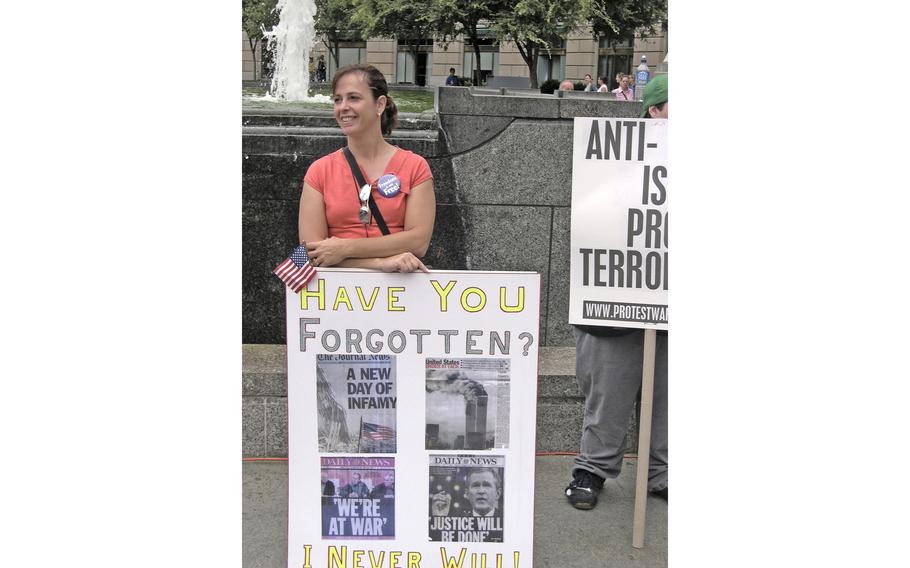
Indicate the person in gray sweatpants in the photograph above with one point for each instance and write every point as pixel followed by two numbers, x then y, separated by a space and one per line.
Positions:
pixel 608 370
pixel 608 367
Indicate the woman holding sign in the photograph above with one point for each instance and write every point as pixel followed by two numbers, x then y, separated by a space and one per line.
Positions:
pixel 371 204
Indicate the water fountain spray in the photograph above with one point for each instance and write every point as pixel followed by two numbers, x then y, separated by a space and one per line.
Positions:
pixel 290 43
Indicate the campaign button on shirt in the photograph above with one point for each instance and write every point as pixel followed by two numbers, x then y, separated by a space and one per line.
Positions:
pixel 388 185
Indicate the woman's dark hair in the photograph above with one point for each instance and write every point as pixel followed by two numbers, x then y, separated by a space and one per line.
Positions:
pixel 375 80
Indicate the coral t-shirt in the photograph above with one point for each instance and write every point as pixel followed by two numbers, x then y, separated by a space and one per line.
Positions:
pixel 331 176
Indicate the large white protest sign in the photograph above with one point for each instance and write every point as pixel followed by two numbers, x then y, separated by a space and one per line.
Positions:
pixel 619 254
pixel 412 419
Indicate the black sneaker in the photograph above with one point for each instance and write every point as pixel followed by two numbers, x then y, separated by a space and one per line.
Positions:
pixel 660 493
pixel 582 491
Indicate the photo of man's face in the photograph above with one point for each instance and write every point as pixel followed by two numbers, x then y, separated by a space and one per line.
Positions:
pixel 482 492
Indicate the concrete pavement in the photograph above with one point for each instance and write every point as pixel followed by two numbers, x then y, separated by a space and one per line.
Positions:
pixel 564 537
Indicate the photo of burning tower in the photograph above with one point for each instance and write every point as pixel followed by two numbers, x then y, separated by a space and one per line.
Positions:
pixel 467 404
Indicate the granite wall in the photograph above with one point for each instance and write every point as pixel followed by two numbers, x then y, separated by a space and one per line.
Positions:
pixel 502 164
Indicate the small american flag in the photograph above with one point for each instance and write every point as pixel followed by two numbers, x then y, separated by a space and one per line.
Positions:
pixel 377 432
pixel 296 271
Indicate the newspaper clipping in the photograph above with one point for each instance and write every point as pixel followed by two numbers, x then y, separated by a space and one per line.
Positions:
pixel 467 404
pixel 356 398
pixel 358 498
pixel 466 498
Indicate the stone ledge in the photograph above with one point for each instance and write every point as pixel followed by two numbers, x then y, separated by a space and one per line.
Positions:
pixel 559 421
pixel 269 360
pixel 265 426
pixel 560 406
pixel 482 103
pixel 287 110
pixel 414 122
pixel 286 130
pixel 321 141
pixel 265 358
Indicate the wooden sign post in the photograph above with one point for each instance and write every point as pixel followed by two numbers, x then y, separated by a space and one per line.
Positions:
pixel 644 439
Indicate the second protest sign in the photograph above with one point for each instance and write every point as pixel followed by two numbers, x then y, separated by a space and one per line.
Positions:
pixel 619 254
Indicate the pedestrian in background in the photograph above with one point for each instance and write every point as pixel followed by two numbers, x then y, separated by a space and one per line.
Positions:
pixel 624 92
pixel 320 70
pixel 452 79
pixel 589 83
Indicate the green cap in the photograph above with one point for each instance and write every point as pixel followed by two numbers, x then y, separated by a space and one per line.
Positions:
pixel 655 94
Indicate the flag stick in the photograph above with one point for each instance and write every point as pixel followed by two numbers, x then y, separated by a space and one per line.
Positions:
pixel 644 439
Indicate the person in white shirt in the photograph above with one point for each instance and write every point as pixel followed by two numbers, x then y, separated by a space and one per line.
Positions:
pixel 589 83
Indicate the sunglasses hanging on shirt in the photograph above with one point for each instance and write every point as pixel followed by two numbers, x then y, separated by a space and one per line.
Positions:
pixel 365 195
pixel 365 191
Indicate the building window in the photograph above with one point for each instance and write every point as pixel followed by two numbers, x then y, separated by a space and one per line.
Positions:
pixel 349 53
pixel 614 56
pixel 609 65
pixel 551 64
pixel 407 70
pixel 612 41
pixel 552 67
pixel 489 61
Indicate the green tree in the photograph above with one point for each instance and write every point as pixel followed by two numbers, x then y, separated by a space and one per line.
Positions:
pixel 537 25
pixel 620 20
pixel 409 21
pixel 464 17
pixel 258 16
pixel 334 23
